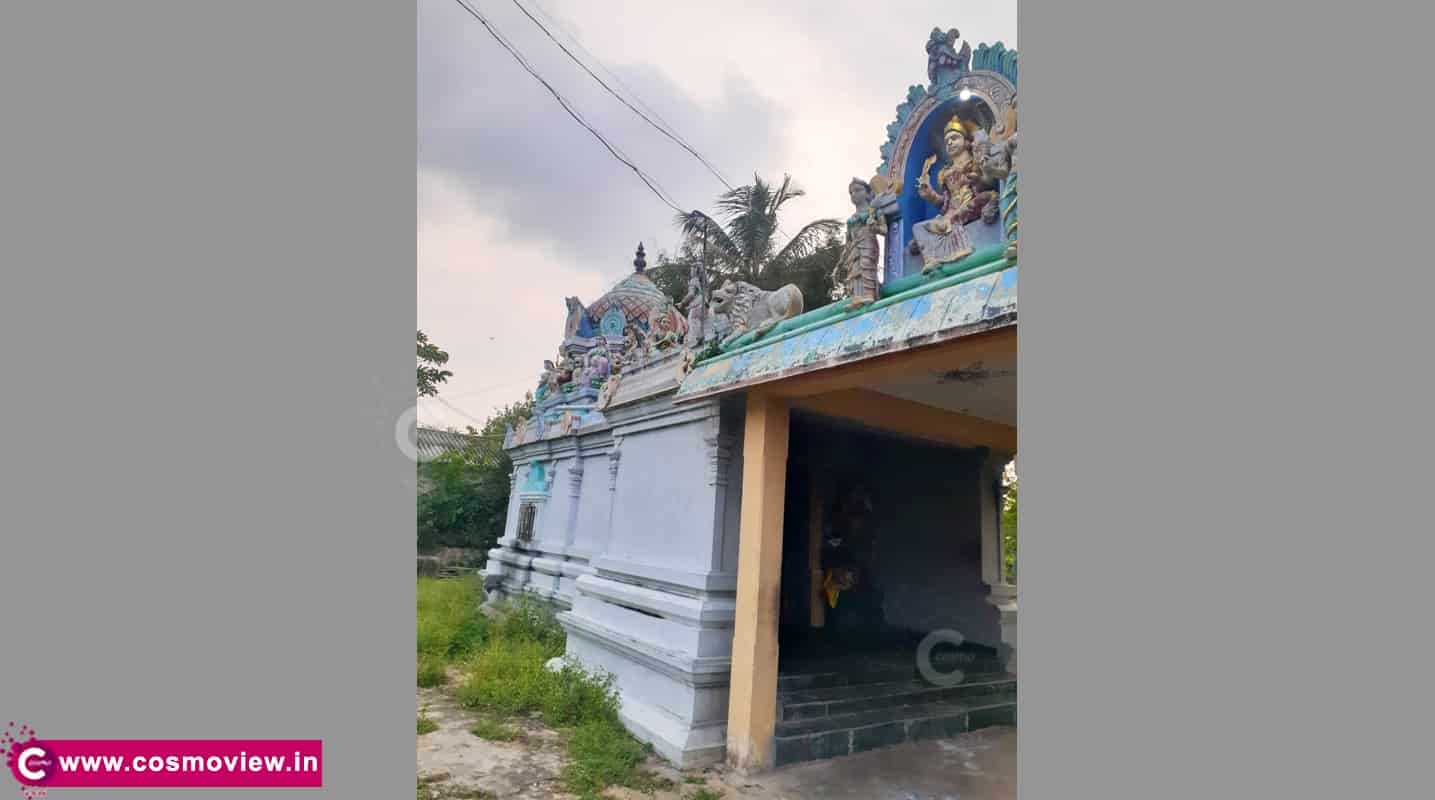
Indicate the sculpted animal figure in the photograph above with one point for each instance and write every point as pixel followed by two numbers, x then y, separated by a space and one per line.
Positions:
pixel 752 309
pixel 577 322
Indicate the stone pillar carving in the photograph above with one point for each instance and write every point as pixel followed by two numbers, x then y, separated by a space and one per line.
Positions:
pixel 614 457
pixel 719 456
pixel 575 488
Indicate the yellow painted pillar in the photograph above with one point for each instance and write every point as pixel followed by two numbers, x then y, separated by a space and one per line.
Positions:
pixel 752 702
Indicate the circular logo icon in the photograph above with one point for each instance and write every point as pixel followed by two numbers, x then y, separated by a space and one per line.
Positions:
pixel 927 669
pixel 406 433
pixel 34 763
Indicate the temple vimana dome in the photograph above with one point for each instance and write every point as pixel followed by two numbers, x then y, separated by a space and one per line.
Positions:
pixel 779 527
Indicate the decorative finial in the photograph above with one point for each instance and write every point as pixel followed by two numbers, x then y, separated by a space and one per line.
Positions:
pixel 640 263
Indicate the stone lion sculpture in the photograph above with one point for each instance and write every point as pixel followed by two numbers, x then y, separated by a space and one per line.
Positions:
pixel 752 309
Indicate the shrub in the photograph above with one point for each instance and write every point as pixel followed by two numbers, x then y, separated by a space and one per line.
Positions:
pixel 506 674
pixel 449 624
pixel 465 503
pixel 530 620
pixel 576 696
pixel 602 755
pixel 506 677
pixel 464 495
pixel 432 671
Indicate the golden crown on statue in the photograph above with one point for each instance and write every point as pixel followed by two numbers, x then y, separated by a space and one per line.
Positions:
pixel 957 125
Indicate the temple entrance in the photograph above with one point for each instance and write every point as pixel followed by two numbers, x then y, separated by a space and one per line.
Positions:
pixel 881 549
pixel 878 483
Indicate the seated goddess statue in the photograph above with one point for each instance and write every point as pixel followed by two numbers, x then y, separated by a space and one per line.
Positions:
pixel 961 193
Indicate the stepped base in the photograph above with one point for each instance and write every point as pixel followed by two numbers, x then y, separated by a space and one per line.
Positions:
pixel 829 737
pixel 834 706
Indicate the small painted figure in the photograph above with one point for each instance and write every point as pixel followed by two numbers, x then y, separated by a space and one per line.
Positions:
pixel 861 258
pixel 1004 167
pixel 599 367
pixel 577 322
pixel 695 302
pixel 548 382
pixel 634 346
pixel 664 330
pixel 944 62
pixel 563 372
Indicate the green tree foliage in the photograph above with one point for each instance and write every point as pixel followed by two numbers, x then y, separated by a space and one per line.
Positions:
pixel 465 503
pixel 1009 529
pixel 431 372
pixel 811 273
pixel 742 244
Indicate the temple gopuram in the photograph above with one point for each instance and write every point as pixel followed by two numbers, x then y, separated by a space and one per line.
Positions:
pixel 779 528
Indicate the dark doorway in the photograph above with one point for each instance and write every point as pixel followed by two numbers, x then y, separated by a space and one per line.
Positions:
pixel 881 546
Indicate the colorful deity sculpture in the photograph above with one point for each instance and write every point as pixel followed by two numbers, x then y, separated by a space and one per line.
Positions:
pixel 696 304
pixel 1003 167
pixel 634 346
pixel 665 330
pixel 960 194
pixel 861 258
pixel 547 382
pixel 562 372
pixel 599 368
pixel 944 62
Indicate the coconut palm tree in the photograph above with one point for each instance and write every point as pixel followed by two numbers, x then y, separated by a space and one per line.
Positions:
pixel 744 245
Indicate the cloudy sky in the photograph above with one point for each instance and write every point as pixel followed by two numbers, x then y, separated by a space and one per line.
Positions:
pixel 519 207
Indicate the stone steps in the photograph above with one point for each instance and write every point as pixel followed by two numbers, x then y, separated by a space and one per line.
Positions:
pixel 842 734
pixel 839 700
pixel 971 664
pixel 873 702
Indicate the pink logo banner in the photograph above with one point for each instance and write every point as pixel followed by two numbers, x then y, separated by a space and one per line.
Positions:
pixel 167 763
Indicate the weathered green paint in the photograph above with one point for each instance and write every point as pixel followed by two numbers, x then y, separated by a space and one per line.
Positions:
pixel 984 256
pixel 983 262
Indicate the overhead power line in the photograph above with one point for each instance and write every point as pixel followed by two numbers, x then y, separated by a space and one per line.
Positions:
pixel 562 101
pixel 618 79
pixel 659 128
pixel 457 410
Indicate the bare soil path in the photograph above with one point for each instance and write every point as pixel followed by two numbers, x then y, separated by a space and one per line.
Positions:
pixel 457 765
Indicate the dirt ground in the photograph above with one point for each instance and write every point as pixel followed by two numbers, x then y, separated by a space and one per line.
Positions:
pixel 457 765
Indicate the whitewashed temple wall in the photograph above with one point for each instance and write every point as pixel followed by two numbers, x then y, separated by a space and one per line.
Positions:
pixel 640 547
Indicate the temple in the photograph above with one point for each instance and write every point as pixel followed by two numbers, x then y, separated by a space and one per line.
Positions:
pixel 777 527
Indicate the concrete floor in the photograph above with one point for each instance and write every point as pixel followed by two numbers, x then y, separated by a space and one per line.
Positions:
pixel 980 765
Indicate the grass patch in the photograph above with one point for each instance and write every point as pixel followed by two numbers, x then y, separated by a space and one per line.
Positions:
pixel 432 671
pixel 494 731
pixel 529 620
pixel 449 625
pixel 601 757
pixel 426 725
pixel 507 678
pixel 426 791
pixel 705 794
pixel 695 779
pixel 505 675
